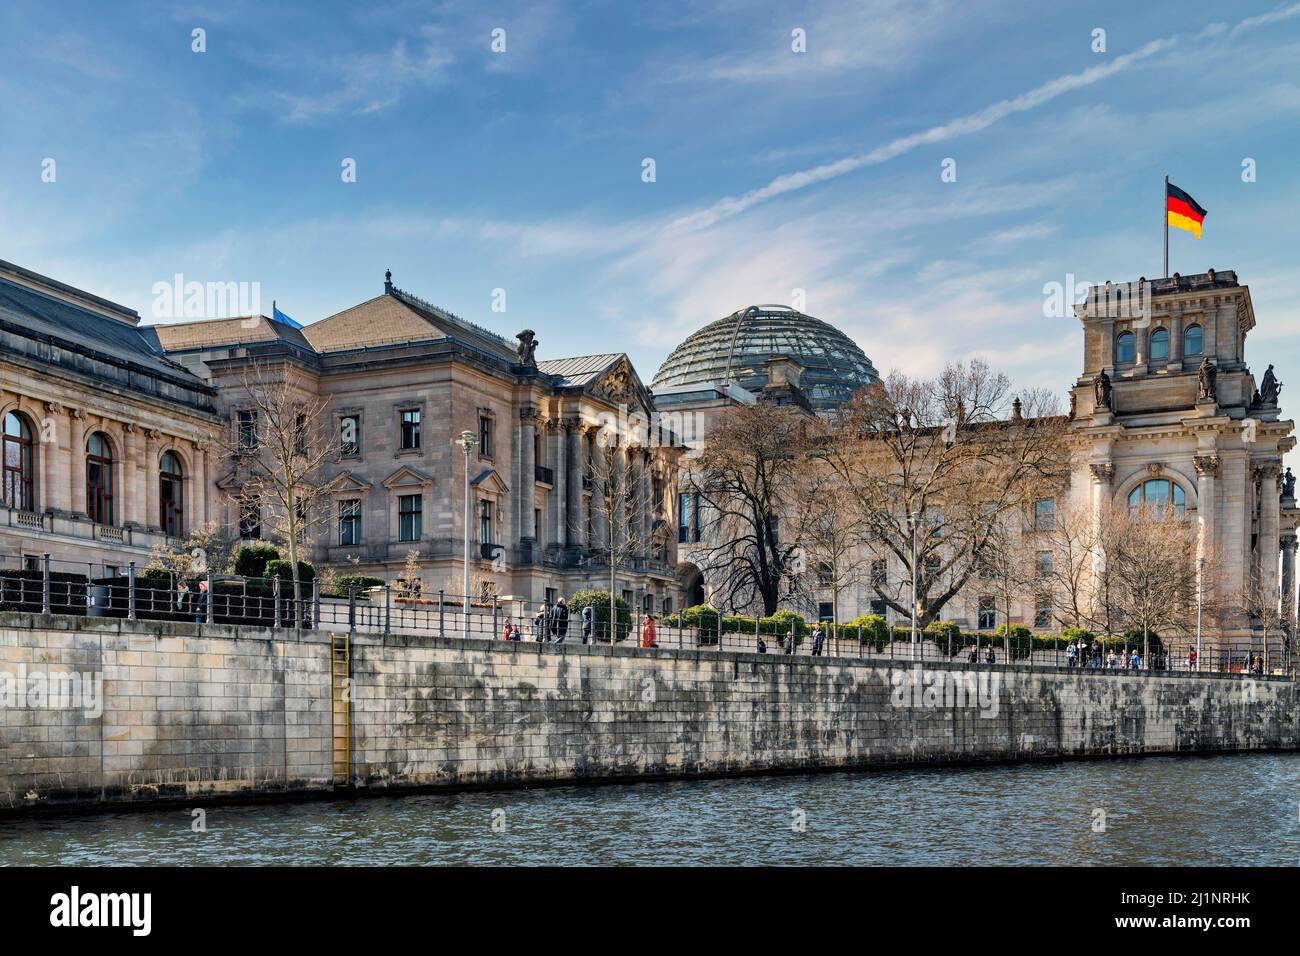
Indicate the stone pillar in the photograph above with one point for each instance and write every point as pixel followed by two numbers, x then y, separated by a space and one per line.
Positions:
pixel 133 477
pixel 55 455
pixel 527 480
pixel 1207 469
pixel 198 487
pixel 1142 341
pixel 1269 519
pixel 152 452
pixel 559 498
pixel 643 500
pixel 599 534
pixel 1288 579
pixel 1103 473
pixel 77 462
pixel 1176 338
pixel 572 466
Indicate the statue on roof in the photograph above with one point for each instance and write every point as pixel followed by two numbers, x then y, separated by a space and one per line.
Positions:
pixel 1288 484
pixel 1271 388
pixel 527 349
pixel 1208 379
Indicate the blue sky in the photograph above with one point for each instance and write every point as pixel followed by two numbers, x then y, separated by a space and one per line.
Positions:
pixel 522 170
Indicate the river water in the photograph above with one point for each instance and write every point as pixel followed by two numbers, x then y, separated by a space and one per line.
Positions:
pixel 1160 811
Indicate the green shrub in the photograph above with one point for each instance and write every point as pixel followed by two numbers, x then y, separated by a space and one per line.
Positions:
pixel 283 569
pixel 363 583
pixel 251 559
pixel 873 630
pixel 1133 637
pixel 946 635
pixel 598 601
pixel 706 619
pixel 1017 638
pixel 779 624
pixel 22 590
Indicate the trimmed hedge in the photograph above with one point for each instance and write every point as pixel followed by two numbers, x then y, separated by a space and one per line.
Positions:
pixel 871 629
pixel 599 603
pixel 363 583
pixel 22 590
pixel 284 569
pixel 250 560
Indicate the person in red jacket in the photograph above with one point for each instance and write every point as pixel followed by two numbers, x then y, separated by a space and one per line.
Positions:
pixel 509 633
pixel 648 635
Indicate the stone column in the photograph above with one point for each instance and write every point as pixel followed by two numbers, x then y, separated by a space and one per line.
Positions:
pixel 55 455
pixel 133 477
pixel 1176 338
pixel 1142 341
pixel 559 498
pixel 599 535
pixel 1269 519
pixel 152 442
pixel 527 480
pixel 198 489
pixel 573 482
pixel 643 497
pixel 1288 578
pixel 77 462
pixel 1207 469
pixel 1103 473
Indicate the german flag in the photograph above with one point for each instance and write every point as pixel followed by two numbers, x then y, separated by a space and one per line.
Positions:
pixel 1182 211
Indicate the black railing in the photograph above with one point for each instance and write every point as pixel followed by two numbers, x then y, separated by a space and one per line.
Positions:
pixel 269 602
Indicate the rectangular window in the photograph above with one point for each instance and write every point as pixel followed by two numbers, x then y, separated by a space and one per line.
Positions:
pixel 1044 514
pixel 878 607
pixel 410 517
pixel 685 517
pixel 247 429
pixel 485 522
pixel 988 615
pixel 1043 563
pixel 825 611
pixel 1043 612
pixel 879 572
pixel 349 435
pixel 485 436
pixel 300 434
pixel 932 565
pixel 627 598
pixel 410 429
pixel 551 596
pixel 350 521
pixel 668 605
pixel 250 522
pixel 537 525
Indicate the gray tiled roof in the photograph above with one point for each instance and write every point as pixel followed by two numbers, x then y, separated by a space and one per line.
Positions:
pixel 579 370
pixel 38 317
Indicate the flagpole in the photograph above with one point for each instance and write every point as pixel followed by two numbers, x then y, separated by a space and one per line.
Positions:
pixel 1164 219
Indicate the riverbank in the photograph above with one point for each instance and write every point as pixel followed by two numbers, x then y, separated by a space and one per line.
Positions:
pixel 206 713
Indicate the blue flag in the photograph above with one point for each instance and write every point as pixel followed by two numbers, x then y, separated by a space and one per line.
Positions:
pixel 281 317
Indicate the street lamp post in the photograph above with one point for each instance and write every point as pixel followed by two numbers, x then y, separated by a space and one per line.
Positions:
pixel 1200 606
pixel 913 520
pixel 466 441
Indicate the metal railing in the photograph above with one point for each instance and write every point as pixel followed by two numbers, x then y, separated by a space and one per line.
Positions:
pixel 100 590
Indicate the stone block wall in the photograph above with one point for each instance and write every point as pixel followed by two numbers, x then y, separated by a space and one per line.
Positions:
pixel 193 712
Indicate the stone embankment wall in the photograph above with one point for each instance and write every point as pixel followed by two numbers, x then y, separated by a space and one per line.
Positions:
pixel 188 712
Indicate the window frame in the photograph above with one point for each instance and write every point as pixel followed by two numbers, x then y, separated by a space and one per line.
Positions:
pixel 414 426
pixel 171 513
pixel 349 518
pixel 20 477
pixel 99 495
pixel 1126 338
pixel 1200 338
pixel 1159 335
pixel 415 516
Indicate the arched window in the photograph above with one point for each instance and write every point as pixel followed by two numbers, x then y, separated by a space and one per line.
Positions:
pixel 1160 345
pixel 171 508
pixel 17 462
pixel 99 479
pixel 1125 349
pixel 1158 494
pixel 1193 340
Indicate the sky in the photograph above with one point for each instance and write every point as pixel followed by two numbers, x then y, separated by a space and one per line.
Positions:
pixel 511 185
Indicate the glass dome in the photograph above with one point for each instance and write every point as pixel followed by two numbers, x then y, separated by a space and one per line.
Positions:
pixel 737 347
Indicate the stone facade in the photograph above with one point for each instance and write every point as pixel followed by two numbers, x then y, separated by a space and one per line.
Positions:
pixel 1218 436
pixel 200 712
pixel 533 530
pixel 73 367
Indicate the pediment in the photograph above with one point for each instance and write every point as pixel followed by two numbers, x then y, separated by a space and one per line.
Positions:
pixel 489 480
pixel 620 385
pixel 349 482
pixel 407 477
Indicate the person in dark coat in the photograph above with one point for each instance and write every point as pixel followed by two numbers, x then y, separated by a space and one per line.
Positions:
pixel 541 630
pixel 560 620
pixel 201 603
pixel 818 638
pixel 762 646
pixel 587 615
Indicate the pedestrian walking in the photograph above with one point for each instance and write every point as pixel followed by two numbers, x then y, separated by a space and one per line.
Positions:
pixel 587 615
pixel 649 634
pixel 201 603
pixel 1071 654
pixel 789 641
pixel 182 597
pixel 989 658
pixel 508 632
pixel 539 625
pixel 762 646
pixel 560 620
pixel 1191 660
pixel 818 637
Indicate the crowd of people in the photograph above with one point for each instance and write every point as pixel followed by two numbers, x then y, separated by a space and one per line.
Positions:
pixel 1092 655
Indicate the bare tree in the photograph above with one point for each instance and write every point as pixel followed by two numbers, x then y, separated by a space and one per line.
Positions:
pixel 1263 607
pixel 618 508
pixel 1151 562
pixel 278 447
pixel 828 533
pixel 946 451
pixel 743 477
